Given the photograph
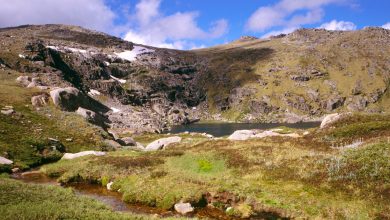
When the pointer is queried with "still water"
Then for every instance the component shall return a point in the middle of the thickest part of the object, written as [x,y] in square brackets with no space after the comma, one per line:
[223,129]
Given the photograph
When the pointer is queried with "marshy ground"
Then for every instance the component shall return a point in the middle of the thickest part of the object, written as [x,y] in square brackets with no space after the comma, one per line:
[315,176]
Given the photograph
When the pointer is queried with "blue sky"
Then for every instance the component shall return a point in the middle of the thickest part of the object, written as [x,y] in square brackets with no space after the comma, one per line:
[186,24]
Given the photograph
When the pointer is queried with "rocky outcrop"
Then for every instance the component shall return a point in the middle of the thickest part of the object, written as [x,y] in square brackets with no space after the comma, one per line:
[162,143]
[70,156]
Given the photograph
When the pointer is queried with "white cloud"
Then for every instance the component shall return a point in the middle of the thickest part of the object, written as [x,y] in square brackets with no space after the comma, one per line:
[171,31]
[335,25]
[287,14]
[94,14]
[386,26]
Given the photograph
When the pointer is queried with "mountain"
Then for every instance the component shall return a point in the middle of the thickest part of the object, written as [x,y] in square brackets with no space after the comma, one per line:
[136,88]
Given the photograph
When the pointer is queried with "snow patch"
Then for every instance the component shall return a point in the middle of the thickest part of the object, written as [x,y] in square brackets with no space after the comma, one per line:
[115,110]
[22,56]
[106,63]
[117,79]
[131,55]
[52,47]
[75,50]
[93,92]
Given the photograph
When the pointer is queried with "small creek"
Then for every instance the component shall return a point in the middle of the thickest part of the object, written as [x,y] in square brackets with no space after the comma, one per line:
[113,199]
[223,129]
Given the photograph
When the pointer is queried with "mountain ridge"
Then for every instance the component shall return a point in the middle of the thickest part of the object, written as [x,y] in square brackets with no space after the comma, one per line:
[297,77]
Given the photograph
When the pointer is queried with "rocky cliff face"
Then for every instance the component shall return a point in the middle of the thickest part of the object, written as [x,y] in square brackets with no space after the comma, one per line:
[139,88]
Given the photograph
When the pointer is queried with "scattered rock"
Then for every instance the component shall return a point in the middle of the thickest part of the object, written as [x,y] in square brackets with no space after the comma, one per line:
[161,143]
[184,208]
[15,170]
[40,100]
[109,185]
[5,161]
[70,156]
[24,80]
[7,110]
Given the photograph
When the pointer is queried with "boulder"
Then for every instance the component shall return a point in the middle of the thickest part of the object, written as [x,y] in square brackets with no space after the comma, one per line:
[183,208]
[91,116]
[68,99]
[24,80]
[161,143]
[70,156]
[40,100]
[5,161]
[126,141]
[330,119]
[7,111]
[34,83]
[241,135]
[112,144]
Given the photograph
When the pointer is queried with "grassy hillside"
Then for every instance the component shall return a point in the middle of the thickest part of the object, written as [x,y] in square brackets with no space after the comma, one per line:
[300,72]
[24,136]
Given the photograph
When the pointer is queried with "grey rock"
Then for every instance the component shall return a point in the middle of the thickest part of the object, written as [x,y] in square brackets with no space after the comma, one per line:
[357,103]
[24,80]
[5,161]
[127,141]
[112,144]
[40,100]
[183,208]
[70,156]
[91,116]
[162,143]
[241,135]
[67,99]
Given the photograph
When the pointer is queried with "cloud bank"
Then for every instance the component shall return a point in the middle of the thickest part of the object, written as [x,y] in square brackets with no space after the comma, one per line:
[287,15]
[151,27]
[335,25]
[386,26]
[94,14]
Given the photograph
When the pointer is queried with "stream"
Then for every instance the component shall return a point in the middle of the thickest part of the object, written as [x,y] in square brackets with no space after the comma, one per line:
[113,199]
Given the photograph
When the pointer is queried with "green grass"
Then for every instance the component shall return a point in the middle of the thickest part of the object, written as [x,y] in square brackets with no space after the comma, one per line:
[24,136]
[29,201]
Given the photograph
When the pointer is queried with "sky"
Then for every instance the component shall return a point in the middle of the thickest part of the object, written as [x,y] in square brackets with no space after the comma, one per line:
[190,24]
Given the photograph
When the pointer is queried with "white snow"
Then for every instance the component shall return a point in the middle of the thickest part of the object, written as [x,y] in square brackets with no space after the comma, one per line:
[115,110]
[22,56]
[75,50]
[117,79]
[52,47]
[106,63]
[131,55]
[93,92]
